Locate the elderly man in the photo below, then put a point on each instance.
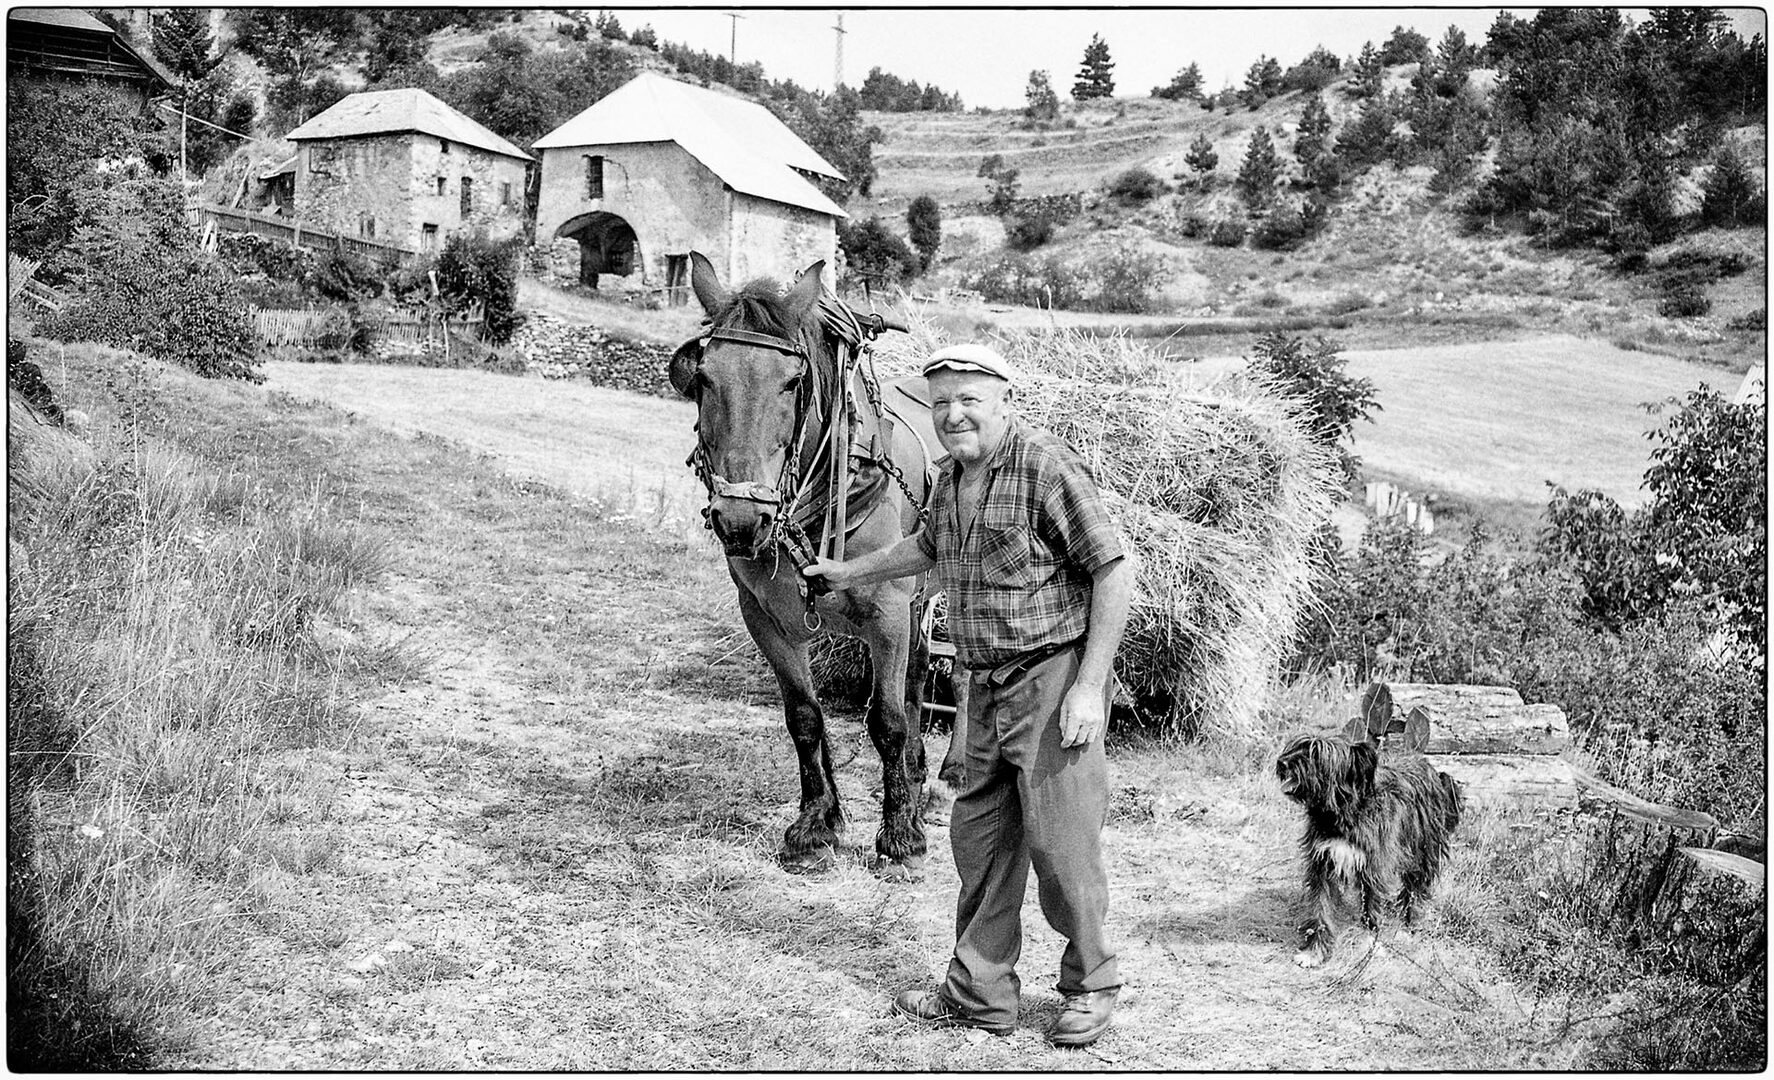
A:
(1038, 587)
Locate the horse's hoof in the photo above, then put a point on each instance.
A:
(939, 803)
(813, 861)
(906, 871)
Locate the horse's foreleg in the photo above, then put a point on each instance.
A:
(939, 795)
(893, 727)
(811, 842)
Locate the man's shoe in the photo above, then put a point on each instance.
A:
(932, 1008)
(1083, 1017)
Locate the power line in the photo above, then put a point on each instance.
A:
(200, 120)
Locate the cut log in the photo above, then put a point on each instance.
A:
(1468, 719)
(1737, 866)
(1644, 810)
(1519, 781)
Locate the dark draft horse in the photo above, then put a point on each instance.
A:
(765, 374)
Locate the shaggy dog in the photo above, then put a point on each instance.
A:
(1376, 831)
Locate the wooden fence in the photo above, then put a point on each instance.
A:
(310, 327)
(22, 284)
(294, 232)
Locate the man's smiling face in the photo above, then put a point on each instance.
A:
(971, 412)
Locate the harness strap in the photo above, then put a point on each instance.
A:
(748, 337)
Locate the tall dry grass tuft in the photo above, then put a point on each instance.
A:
(1218, 488)
(161, 652)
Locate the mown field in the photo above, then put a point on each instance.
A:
(537, 831)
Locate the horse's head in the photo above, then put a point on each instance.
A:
(748, 375)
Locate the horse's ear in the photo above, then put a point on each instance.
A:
(706, 283)
(684, 365)
(806, 290)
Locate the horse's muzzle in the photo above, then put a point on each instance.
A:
(745, 526)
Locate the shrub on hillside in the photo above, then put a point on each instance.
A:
(142, 283)
(1118, 281)
(1684, 301)
(1226, 232)
(1026, 232)
(1137, 185)
(1283, 228)
(872, 252)
(1313, 374)
(923, 222)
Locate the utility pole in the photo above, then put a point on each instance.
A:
(733, 42)
(838, 69)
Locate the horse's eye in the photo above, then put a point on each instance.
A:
(790, 383)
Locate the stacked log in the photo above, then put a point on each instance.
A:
(1501, 750)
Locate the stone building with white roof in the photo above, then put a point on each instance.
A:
(659, 168)
(401, 167)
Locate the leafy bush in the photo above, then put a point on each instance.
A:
(1026, 232)
(1119, 281)
(872, 251)
(1136, 185)
(473, 269)
(142, 283)
(1684, 301)
(1226, 232)
(1282, 229)
(923, 222)
(1314, 375)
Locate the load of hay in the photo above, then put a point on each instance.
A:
(1219, 489)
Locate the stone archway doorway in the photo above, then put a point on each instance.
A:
(607, 245)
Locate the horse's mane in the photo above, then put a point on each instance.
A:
(758, 305)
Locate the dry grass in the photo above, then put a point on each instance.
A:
(163, 644)
(1219, 491)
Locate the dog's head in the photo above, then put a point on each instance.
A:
(1327, 772)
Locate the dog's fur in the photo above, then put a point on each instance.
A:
(1376, 830)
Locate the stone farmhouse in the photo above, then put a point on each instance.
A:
(659, 168)
(400, 167)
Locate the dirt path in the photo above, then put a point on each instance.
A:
(553, 851)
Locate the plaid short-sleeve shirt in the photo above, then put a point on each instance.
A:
(1020, 578)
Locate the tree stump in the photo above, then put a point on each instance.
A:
(1468, 719)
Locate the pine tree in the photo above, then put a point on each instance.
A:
(1202, 158)
(1184, 84)
(1370, 74)
(1363, 143)
(1043, 103)
(1261, 168)
(1314, 132)
(923, 222)
(183, 41)
(1095, 78)
(1729, 195)
(1454, 59)
(1404, 47)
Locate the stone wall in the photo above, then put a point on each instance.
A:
(559, 350)
(1058, 207)
(778, 240)
(394, 180)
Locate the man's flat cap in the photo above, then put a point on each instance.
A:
(970, 358)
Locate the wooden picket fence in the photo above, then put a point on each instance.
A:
(282, 327)
(22, 284)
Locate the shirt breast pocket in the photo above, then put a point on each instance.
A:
(1004, 558)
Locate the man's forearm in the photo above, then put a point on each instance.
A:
(903, 559)
(1111, 596)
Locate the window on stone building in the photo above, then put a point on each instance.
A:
(440, 185)
(366, 226)
(505, 193)
(467, 195)
(428, 237)
(594, 176)
(446, 145)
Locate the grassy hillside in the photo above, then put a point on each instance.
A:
(1392, 267)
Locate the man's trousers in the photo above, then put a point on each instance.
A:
(1027, 801)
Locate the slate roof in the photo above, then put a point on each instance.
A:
(381, 112)
(740, 141)
(67, 29)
